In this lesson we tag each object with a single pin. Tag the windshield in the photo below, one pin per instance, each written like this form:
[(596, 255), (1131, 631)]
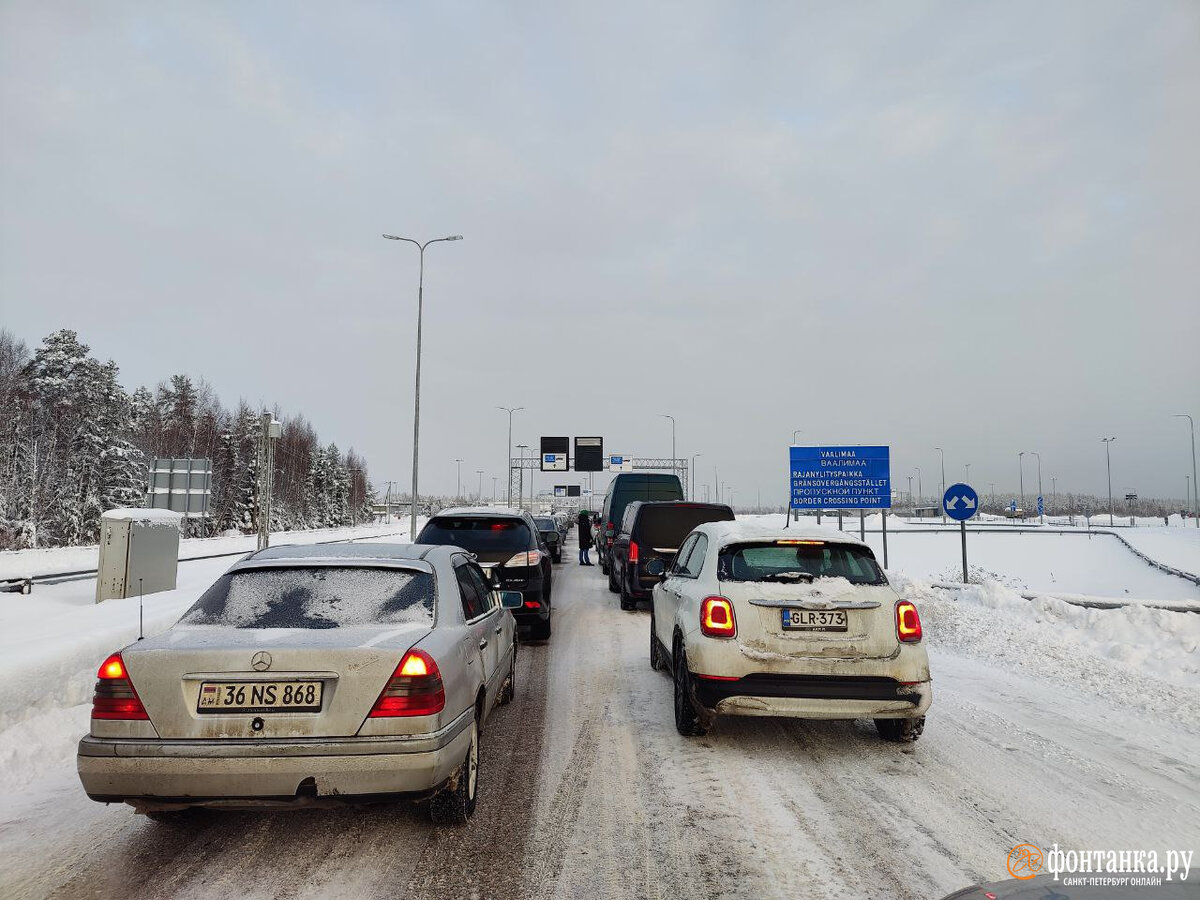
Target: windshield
[(798, 561), (478, 535), (314, 597)]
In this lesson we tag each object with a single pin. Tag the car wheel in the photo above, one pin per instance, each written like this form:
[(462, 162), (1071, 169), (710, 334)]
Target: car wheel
[(687, 720), (612, 581), (509, 690), (454, 805), (900, 731), (627, 602), (657, 663), (540, 631)]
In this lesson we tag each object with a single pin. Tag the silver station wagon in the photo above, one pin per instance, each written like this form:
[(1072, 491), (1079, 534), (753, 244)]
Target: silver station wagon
[(310, 675)]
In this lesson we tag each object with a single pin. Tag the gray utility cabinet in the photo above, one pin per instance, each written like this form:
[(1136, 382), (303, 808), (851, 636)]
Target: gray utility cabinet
[(139, 551)]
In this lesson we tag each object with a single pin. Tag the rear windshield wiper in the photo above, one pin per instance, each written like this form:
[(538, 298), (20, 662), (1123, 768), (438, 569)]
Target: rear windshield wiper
[(790, 576)]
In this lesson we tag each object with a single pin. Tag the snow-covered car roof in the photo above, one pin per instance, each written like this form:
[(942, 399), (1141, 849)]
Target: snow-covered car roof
[(479, 511), (414, 556), (739, 531)]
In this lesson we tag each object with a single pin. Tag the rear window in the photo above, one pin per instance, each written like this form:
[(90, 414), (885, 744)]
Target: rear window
[(665, 528), (314, 597), (478, 535), (546, 524), (791, 562)]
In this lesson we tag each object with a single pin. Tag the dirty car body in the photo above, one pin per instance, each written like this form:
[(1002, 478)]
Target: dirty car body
[(757, 621), (338, 672)]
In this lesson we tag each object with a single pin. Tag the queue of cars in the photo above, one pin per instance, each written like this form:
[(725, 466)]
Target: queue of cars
[(351, 672)]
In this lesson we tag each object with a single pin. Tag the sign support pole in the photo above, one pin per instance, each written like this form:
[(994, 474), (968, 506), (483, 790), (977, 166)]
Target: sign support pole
[(963, 527), (885, 560), (862, 525)]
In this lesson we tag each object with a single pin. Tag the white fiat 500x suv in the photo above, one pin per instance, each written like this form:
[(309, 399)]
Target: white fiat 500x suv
[(763, 621)]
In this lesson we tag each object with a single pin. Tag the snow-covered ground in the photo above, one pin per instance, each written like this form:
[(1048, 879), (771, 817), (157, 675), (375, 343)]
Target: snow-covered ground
[(1050, 723)]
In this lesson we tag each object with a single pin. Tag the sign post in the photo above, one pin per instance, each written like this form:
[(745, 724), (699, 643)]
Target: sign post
[(960, 503)]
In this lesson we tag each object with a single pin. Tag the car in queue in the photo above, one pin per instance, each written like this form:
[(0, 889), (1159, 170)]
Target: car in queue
[(511, 551), (649, 531), (307, 676), (625, 488), (548, 528), (800, 622)]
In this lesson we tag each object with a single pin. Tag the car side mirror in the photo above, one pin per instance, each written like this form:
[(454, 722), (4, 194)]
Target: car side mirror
[(511, 599), (656, 568)]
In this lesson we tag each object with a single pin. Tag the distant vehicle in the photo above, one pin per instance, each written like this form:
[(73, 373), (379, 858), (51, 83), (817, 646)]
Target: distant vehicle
[(510, 549), (797, 622), (309, 675), (650, 531), (623, 490), (548, 527)]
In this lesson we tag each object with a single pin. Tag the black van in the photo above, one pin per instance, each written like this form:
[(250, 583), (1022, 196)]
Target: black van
[(623, 490), (653, 531)]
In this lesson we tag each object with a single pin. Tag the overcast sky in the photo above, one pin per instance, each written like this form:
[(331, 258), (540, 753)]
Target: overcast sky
[(967, 225)]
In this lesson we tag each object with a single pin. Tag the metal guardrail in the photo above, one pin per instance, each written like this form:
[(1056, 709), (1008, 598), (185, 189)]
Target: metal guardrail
[(1086, 602)]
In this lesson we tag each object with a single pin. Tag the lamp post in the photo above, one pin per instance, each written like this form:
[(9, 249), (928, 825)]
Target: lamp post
[(1041, 516), (909, 477), (458, 489), (1195, 483), (1108, 464), (968, 478), (508, 458), (1021, 466), (692, 479), (796, 434), (1054, 492), (920, 490), (942, 456), (417, 390), (479, 496), (494, 488), (672, 418)]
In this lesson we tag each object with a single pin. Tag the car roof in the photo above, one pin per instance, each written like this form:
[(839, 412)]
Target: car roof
[(495, 511), (420, 556), (741, 530)]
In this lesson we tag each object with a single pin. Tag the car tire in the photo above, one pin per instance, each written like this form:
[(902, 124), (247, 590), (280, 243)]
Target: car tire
[(540, 631), (687, 720), (627, 602), (900, 731), (612, 581), (657, 660), (509, 689), (453, 806)]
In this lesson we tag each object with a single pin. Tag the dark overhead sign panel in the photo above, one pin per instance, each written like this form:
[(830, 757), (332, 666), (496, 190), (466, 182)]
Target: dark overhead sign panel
[(589, 454), (554, 453), (572, 490)]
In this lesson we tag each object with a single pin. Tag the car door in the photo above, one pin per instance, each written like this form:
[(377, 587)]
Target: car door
[(666, 595), (498, 631), (477, 640), (693, 585)]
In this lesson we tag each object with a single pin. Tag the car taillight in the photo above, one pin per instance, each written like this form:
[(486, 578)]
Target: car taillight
[(415, 689), (115, 697), (716, 618), (908, 622), (633, 551), (531, 558)]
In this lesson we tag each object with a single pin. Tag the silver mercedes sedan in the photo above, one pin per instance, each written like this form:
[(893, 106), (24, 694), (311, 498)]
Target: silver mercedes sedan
[(310, 675)]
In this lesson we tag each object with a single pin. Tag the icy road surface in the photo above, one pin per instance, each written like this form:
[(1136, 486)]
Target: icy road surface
[(586, 790)]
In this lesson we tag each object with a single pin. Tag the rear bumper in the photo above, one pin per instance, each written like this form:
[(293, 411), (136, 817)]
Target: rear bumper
[(153, 772), (815, 696)]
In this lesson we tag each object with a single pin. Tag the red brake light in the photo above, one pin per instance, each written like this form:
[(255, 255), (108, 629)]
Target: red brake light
[(716, 618), (908, 622), (532, 604), (415, 689), (633, 551), (115, 697)]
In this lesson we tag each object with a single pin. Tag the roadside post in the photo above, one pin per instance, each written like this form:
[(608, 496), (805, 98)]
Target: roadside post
[(960, 503), (1041, 510), (885, 564)]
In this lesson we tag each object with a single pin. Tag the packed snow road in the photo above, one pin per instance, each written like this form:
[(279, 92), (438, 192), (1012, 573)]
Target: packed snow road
[(587, 790)]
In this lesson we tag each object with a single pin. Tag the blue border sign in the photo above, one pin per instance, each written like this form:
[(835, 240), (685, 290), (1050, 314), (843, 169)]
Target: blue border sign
[(841, 478)]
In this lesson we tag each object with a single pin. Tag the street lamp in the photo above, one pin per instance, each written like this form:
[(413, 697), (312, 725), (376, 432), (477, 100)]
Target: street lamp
[(1054, 492), (1108, 463), (909, 477), (920, 490), (508, 458), (968, 478), (1021, 465), (672, 418), (942, 455), (1041, 516), (692, 479), (479, 496), (1195, 483), (795, 435), (458, 489), (417, 390), (494, 488)]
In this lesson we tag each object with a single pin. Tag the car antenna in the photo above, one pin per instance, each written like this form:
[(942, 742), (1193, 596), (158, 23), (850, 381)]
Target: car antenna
[(141, 630)]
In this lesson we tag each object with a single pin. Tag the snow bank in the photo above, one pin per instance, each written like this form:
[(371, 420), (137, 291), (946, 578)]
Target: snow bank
[(1142, 657)]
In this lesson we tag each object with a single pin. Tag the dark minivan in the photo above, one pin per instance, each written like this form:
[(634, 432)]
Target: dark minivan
[(623, 490), (652, 531), (510, 550)]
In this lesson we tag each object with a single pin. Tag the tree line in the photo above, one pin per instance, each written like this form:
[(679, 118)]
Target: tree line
[(74, 443)]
